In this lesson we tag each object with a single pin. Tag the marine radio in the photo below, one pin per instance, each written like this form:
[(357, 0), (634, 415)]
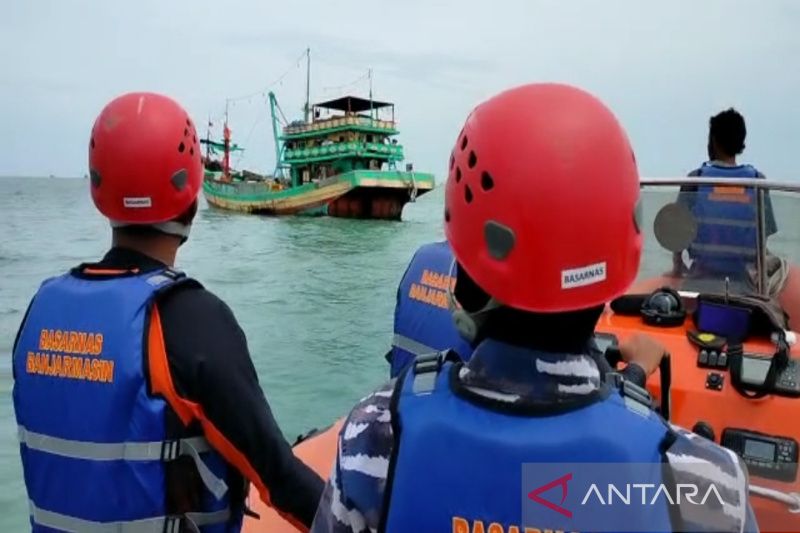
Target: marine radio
[(766, 456), (755, 368)]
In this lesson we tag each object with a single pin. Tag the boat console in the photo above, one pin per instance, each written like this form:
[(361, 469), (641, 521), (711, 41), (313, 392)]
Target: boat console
[(733, 362)]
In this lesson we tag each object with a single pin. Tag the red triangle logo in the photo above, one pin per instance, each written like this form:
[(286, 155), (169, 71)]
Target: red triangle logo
[(560, 482)]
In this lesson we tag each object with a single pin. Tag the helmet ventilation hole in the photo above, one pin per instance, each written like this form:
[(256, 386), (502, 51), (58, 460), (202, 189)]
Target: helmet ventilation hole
[(458, 174), (185, 132), (92, 142), (468, 194), (473, 160), (194, 139), (500, 239), (452, 160), (463, 142), (447, 215), (191, 151), (487, 183), (181, 148), (179, 179)]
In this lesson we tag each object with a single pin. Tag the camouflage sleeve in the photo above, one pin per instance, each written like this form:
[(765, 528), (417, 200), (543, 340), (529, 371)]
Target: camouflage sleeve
[(353, 498), (718, 483)]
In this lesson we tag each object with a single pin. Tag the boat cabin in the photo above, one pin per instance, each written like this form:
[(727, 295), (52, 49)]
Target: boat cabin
[(344, 134)]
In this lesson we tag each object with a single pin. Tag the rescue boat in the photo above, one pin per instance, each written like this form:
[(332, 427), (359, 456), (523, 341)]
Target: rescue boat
[(733, 374)]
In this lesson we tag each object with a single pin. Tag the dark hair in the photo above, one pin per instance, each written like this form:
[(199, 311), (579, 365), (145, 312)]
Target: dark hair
[(728, 131)]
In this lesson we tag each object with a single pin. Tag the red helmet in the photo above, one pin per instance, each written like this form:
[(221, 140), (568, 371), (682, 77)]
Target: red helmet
[(144, 160), (541, 202)]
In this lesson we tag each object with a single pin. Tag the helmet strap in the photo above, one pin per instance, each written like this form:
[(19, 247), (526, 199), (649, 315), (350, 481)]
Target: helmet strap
[(468, 323)]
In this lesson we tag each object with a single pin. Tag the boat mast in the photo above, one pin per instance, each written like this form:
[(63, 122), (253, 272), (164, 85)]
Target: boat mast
[(226, 140), (273, 107), (208, 139), (308, 84)]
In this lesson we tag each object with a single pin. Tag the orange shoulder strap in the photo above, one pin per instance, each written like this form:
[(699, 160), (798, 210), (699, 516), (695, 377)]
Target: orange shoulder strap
[(161, 384)]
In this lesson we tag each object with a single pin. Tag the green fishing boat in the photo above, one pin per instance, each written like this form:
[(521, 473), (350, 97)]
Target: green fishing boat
[(341, 160)]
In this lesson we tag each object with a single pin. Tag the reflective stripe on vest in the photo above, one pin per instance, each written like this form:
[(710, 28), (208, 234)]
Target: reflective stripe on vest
[(158, 524), (726, 249), (128, 451), (103, 451), (410, 345), (728, 222)]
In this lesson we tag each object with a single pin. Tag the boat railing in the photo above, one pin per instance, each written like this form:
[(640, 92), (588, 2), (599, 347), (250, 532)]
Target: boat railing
[(339, 122), (324, 182), (755, 183), (391, 150)]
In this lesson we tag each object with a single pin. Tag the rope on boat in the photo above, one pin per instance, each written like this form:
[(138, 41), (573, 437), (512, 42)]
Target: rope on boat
[(791, 499), (777, 273), (778, 278)]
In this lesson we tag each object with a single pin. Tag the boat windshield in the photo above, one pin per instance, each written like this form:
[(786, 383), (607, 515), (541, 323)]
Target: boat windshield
[(713, 235)]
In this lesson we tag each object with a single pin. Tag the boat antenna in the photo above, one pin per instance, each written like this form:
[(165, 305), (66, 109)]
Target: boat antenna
[(371, 110), (727, 289), (308, 84)]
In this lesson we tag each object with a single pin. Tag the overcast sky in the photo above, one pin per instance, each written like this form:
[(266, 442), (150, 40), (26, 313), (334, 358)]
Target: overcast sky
[(663, 67)]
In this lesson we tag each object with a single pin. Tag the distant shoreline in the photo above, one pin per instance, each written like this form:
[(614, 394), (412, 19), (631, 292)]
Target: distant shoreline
[(8, 176)]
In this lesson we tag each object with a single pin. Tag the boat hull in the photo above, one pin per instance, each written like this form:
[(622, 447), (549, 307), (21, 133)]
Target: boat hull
[(319, 453), (357, 194)]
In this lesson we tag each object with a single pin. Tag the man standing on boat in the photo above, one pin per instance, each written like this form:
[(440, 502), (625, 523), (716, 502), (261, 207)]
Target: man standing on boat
[(423, 322), (138, 405), (442, 448), (726, 218)]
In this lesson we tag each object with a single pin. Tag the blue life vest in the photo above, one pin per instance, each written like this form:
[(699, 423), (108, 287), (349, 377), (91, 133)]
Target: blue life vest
[(93, 440), (727, 224), (457, 463), (423, 323)]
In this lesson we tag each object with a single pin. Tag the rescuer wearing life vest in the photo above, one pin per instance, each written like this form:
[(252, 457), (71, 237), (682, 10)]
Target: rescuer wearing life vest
[(137, 403), (423, 323), (727, 218), (542, 213)]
